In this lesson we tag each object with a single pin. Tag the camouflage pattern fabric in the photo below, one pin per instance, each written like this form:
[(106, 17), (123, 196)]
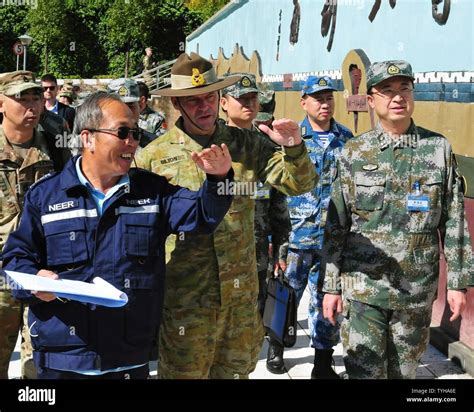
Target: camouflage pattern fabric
[(308, 217), (308, 211), (246, 84), (380, 71), (153, 122), (209, 343), (10, 321), (272, 224), (219, 270), (17, 174), (148, 63), (378, 251), (365, 335), (304, 269)]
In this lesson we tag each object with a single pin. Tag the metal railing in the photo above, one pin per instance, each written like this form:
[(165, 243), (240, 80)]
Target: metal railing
[(156, 78)]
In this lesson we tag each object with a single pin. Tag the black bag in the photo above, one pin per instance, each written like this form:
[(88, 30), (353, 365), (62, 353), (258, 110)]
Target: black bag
[(279, 316)]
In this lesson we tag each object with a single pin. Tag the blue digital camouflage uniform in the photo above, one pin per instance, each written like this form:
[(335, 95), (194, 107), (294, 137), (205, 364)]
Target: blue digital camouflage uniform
[(384, 258), (308, 216)]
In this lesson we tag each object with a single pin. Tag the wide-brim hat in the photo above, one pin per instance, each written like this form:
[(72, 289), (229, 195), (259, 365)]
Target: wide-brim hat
[(192, 75)]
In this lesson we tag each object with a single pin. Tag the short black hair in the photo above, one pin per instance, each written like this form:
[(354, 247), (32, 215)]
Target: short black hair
[(48, 77), (144, 90)]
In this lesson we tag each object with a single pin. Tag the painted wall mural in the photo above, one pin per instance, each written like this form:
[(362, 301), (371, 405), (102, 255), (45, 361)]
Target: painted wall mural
[(329, 14)]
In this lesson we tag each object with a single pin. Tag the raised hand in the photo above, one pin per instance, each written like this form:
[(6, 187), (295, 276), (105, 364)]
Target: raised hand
[(286, 132), (214, 160)]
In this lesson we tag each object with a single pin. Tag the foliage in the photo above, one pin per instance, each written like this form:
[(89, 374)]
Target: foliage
[(13, 24), (206, 8), (94, 37)]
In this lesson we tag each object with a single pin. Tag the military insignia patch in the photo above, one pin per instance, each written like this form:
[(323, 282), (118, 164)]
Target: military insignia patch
[(370, 167), (197, 79), (245, 82), (392, 69), (322, 83), (123, 91)]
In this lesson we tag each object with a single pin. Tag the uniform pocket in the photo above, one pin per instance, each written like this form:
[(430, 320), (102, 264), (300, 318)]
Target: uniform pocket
[(66, 243), (57, 324), (141, 312), (425, 255), (369, 190), (431, 185), (140, 237)]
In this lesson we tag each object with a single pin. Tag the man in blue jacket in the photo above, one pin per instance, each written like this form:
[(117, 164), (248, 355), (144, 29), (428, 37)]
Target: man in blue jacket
[(99, 218)]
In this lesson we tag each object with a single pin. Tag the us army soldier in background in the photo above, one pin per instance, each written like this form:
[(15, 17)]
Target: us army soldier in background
[(26, 155), (397, 187), (211, 326)]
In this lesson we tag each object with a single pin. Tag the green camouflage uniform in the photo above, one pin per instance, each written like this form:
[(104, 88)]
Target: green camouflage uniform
[(153, 122), (17, 174), (214, 277), (385, 259), (272, 225)]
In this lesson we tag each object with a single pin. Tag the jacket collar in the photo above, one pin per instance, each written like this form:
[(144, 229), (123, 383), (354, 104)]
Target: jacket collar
[(69, 178), (307, 130), (408, 139)]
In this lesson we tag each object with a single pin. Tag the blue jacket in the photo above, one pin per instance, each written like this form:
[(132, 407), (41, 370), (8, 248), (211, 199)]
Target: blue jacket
[(308, 211), (60, 230)]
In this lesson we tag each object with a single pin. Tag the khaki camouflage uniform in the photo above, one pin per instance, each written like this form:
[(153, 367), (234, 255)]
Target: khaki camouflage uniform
[(211, 326), (17, 174), (386, 257)]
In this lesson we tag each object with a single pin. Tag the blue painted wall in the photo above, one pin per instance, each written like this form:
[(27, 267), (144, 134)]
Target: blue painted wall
[(406, 32)]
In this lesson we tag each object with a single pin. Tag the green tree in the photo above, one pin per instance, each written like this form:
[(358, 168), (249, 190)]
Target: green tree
[(46, 27), (12, 25), (131, 26), (87, 38), (206, 8), (65, 36)]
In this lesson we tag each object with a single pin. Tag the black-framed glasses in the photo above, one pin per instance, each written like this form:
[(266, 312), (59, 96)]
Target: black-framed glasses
[(123, 132), (46, 88), (389, 93)]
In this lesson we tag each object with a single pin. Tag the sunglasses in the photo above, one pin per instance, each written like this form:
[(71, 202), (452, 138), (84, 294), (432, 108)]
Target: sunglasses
[(46, 88), (123, 132)]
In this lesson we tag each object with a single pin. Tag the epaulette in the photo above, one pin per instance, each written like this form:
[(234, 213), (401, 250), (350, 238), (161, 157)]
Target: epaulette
[(44, 178)]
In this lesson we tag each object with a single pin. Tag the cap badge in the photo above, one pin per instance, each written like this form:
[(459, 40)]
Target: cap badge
[(246, 82), (322, 83), (392, 69), (123, 91), (197, 79)]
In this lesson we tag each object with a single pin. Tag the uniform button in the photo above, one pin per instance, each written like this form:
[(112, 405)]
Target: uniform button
[(69, 268), (141, 261)]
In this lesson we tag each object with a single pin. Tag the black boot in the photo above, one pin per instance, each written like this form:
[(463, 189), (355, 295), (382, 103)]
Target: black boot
[(275, 358), (323, 365)]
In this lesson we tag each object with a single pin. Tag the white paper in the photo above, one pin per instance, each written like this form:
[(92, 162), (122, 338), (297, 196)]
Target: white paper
[(100, 292)]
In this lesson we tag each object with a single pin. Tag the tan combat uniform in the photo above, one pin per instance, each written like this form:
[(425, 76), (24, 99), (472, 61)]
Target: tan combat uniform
[(211, 327)]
